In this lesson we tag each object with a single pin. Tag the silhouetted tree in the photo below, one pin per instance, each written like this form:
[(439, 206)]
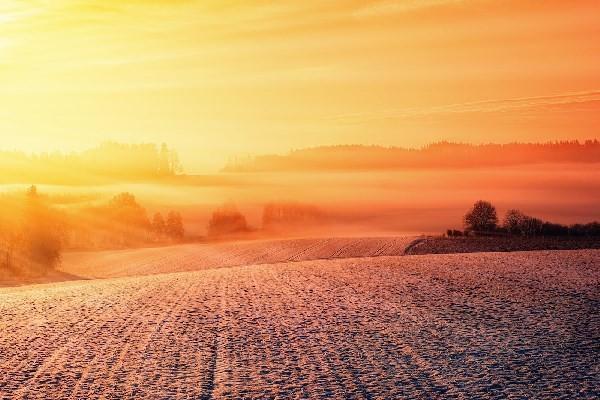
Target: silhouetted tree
[(552, 229), (517, 223), (590, 229), (532, 226), (482, 217), (174, 226), (513, 222)]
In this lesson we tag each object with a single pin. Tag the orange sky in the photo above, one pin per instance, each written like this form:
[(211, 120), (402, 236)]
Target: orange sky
[(221, 78)]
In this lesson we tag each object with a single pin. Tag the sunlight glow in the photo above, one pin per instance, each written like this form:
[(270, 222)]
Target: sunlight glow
[(218, 80)]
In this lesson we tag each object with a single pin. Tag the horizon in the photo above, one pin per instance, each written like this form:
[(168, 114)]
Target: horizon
[(219, 168)]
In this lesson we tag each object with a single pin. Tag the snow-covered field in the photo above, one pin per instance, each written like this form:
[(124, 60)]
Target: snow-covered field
[(194, 257), (487, 325)]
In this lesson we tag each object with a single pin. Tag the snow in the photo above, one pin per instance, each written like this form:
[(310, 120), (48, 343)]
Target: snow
[(486, 325)]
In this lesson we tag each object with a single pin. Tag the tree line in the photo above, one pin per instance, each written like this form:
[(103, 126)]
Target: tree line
[(108, 162), (33, 233), (123, 222), (435, 155), (482, 219), (227, 220)]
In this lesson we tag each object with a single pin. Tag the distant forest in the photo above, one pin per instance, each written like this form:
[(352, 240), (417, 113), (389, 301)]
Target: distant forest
[(436, 155), (108, 162)]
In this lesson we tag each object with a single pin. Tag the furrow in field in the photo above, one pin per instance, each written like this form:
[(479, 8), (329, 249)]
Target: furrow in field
[(520, 325)]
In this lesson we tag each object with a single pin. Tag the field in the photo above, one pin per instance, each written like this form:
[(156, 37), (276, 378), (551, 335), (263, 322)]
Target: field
[(306, 318), (193, 257)]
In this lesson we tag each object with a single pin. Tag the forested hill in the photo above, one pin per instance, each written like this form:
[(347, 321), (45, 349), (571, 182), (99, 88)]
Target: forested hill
[(437, 155), (109, 162)]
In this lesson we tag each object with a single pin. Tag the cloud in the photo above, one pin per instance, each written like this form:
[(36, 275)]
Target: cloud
[(516, 104), (387, 7)]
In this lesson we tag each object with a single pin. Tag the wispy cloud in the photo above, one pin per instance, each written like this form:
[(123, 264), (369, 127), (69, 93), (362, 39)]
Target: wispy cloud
[(387, 7), (485, 106)]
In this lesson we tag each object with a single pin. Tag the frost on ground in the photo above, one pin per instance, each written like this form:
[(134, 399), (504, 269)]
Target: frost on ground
[(511, 325)]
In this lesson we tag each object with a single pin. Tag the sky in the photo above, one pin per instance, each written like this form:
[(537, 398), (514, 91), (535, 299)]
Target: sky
[(217, 79)]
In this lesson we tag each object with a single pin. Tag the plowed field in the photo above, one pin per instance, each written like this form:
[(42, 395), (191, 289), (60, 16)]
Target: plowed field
[(488, 325)]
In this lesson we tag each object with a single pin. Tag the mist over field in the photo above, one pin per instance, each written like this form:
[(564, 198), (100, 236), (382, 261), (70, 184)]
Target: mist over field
[(407, 201)]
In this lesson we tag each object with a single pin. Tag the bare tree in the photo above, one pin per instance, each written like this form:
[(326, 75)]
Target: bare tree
[(532, 226), (513, 221)]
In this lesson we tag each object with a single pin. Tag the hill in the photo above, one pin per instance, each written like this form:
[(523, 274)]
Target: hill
[(109, 162), (437, 155)]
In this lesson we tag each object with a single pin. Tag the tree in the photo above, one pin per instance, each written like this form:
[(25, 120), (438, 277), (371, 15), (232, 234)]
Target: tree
[(553, 229), (513, 222), (482, 217), (174, 226), (164, 167), (158, 225), (128, 219), (8, 240), (532, 226), (289, 215), (126, 210), (227, 220), (175, 163), (32, 192), (43, 233)]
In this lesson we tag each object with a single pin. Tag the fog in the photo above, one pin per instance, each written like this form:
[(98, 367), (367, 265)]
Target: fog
[(378, 203)]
